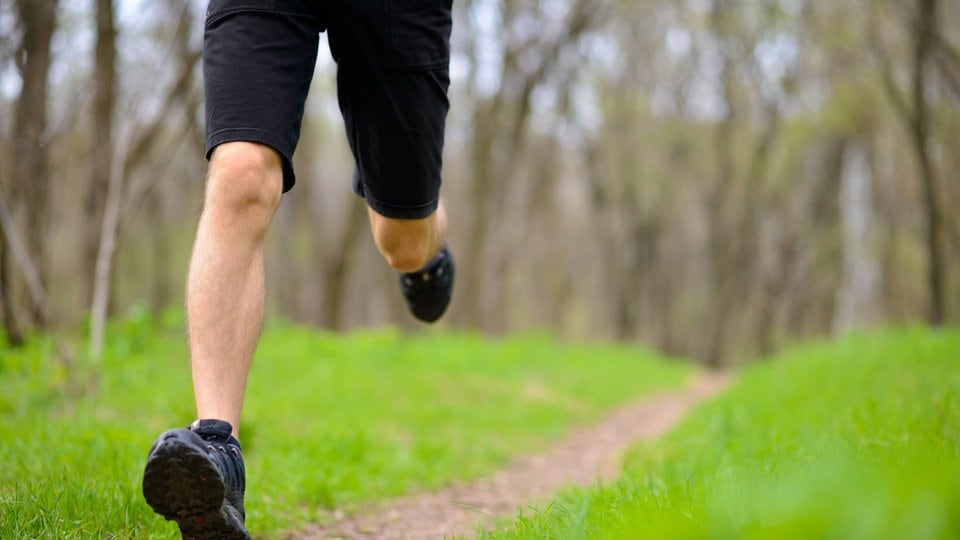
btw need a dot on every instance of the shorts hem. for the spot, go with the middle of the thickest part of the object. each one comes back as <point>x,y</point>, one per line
<point>246,134</point>
<point>260,136</point>
<point>403,212</point>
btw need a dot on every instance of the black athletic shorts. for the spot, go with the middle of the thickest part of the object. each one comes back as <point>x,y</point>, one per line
<point>392,77</point>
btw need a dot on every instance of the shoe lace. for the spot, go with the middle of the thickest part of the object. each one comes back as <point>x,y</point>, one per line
<point>416,281</point>
<point>230,462</point>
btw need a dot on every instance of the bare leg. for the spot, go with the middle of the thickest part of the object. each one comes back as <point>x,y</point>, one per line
<point>408,244</point>
<point>225,283</point>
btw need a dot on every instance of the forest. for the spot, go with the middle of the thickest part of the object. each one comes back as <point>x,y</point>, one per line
<point>712,178</point>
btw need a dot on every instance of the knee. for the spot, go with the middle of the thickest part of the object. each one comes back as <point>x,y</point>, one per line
<point>408,244</point>
<point>245,179</point>
<point>405,244</point>
<point>405,256</point>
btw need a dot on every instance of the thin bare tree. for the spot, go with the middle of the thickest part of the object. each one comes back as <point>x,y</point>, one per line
<point>137,144</point>
<point>914,112</point>
<point>101,153</point>
<point>29,177</point>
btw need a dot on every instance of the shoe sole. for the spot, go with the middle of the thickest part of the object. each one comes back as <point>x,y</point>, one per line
<point>182,485</point>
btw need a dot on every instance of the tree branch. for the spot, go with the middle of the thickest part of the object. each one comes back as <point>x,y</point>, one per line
<point>22,257</point>
<point>948,60</point>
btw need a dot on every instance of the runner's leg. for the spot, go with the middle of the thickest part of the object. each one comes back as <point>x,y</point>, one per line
<point>225,283</point>
<point>258,63</point>
<point>392,80</point>
<point>258,60</point>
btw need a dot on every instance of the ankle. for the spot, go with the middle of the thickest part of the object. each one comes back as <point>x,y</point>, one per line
<point>432,262</point>
<point>215,429</point>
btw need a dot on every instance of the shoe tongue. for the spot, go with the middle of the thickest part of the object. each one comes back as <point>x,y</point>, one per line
<point>212,429</point>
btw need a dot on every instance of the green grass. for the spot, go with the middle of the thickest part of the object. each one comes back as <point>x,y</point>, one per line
<point>854,439</point>
<point>331,420</point>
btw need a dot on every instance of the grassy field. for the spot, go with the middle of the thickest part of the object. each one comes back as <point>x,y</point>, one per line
<point>858,438</point>
<point>331,420</point>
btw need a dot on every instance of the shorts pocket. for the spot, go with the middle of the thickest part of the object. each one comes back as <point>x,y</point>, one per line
<point>419,33</point>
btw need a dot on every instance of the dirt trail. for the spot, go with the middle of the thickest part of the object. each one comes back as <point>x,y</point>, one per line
<point>588,454</point>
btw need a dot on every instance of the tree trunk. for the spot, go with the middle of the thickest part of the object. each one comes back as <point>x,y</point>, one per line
<point>720,246</point>
<point>104,260</point>
<point>914,113</point>
<point>30,178</point>
<point>102,151</point>
<point>923,42</point>
<point>11,328</point>
<point>860,269</point>
<point>337,266</point>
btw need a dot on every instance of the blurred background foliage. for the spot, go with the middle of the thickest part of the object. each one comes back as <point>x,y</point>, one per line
<point>714,178</point>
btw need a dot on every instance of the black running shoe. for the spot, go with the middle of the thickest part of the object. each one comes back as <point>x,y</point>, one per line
<point>196,477</point>
<point>428,290</point>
